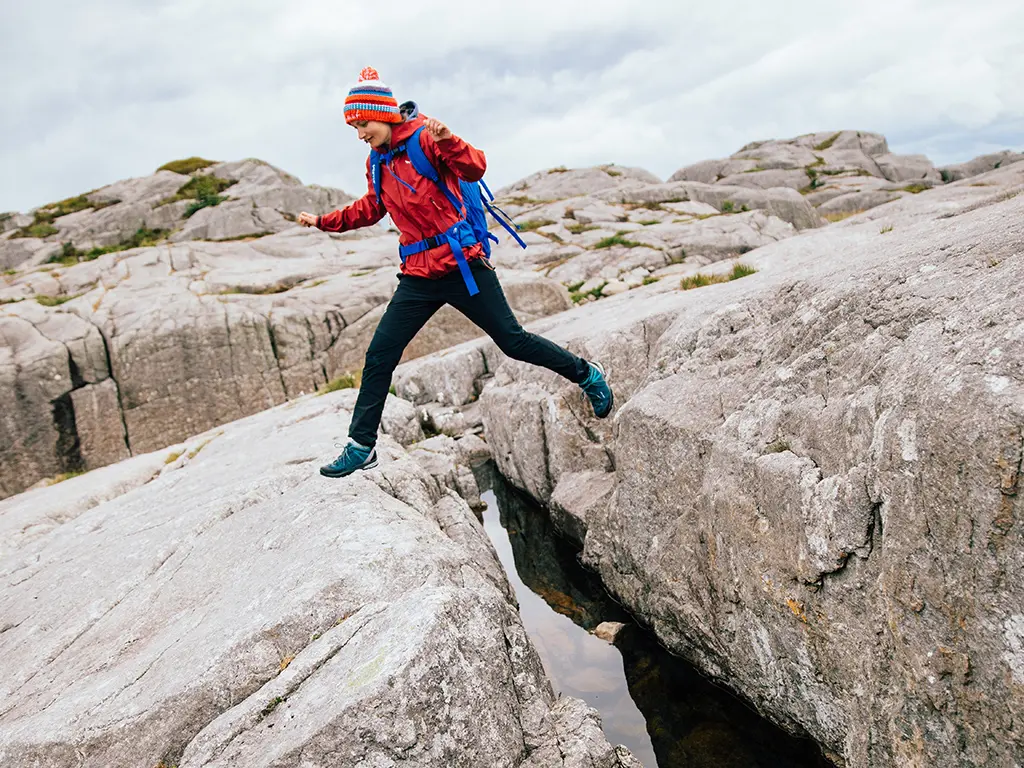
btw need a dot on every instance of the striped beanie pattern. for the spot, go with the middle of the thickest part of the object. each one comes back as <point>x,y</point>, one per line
<point>370,99</point>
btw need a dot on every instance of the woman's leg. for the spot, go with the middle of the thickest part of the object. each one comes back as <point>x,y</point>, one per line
<point>490,310</point>
<point>415,301</point>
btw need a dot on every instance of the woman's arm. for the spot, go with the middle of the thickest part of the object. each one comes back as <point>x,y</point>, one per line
<point>360,213</point>
<point>440,144</point>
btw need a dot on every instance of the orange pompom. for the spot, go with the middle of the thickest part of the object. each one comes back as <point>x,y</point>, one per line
<point>368,73</point>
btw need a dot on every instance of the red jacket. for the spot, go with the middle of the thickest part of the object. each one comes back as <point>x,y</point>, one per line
<point>423,214</point>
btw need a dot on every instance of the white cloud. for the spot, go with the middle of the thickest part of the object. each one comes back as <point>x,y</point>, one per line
<point>110,90</point>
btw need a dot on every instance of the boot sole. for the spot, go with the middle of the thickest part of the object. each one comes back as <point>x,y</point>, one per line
<point>335,475</point>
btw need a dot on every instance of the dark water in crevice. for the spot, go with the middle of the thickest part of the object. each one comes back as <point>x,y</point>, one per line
<point>653,702</point>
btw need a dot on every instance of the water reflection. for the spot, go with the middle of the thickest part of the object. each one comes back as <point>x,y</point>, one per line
<point>654,703</point>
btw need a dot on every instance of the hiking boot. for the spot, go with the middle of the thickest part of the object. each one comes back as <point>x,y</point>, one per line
<point>352,458</point>
<point>598,391</point>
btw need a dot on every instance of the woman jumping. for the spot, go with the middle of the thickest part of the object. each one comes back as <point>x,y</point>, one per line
<point>442,261</point>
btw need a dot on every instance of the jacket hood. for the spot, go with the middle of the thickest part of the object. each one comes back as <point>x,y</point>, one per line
<point>403,131</point>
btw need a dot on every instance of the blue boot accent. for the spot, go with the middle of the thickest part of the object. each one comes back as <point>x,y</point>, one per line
<point>351,459</point>
<point>597,389</point>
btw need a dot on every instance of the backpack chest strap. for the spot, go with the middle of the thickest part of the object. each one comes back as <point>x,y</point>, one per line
<point>457,237</point>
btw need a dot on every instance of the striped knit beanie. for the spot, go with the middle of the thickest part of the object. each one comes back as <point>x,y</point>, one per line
<point>370,99</point>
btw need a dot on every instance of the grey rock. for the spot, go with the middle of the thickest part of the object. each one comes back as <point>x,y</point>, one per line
<point>596,211</point>
<point>609,630</point>
<point>14,220</point>
<point>598,266</point>
<point>802,460</point>
<point>557,184</point>
<point>198,334</point>
<point>870,144</point>
<point>834,186</point>
<point>715,238</point>
<point>235,608</point>
<point>907,167</point>
<point>44,356</point>
<point>794,179</point>
<point>848,160</point>
<point>855,202</point>
<point>710,171</point>
<point>578,741</point>
<point>779,155</point>
<point>145,189</point>
<point>449,377</point>
<point>25,251</point>
<point>980,164</point>
<point>614,287</point>
<point>786,204</point>
<point>101,432</point>
<point>264,199</point>
<point>34,514</point>
<point>400,421</point>
<point>576,498</point>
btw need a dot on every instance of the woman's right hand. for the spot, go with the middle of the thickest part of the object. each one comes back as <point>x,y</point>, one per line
<point>307,219</point>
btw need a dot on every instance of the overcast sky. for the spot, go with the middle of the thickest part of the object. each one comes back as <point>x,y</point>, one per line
<point>97,92</point>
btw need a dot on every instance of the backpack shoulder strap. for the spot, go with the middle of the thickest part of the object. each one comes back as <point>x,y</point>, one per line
<point>424,167</point>
<point>375,160</point>
<point>419,158</point>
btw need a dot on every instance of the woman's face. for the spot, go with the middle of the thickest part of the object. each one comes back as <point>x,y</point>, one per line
<point>374,133</point>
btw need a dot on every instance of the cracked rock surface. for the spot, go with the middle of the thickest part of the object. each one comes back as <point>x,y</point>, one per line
<point>236,309</point>
<point>811,484</point>
<point>219,603</point>
<point>160,343</point>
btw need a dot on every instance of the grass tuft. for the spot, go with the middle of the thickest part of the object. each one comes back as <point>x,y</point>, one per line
<point>55,301</point>
<point>578,229</point>
<point>42,226</point>
<point>700,279</point>
<point>523,201</point>
<point>617,239</point>
<point>827,143</point>
<point>143,238</point>
<point>741,270</point>
<point>578,296</point>
<point>204,190</point>
<point>38,229</point>
<point>186,166</point>
<point>345,381</point>
<point>532,224</point>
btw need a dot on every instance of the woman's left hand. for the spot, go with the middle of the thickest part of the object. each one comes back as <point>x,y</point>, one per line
<point>437,129</point>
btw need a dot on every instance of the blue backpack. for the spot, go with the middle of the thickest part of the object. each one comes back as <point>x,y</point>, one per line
<point>470,230</point>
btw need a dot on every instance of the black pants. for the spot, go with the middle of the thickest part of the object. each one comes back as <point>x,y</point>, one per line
<point>415,302</point>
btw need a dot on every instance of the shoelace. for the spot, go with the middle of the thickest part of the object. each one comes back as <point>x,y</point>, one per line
<point>346,447</point>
